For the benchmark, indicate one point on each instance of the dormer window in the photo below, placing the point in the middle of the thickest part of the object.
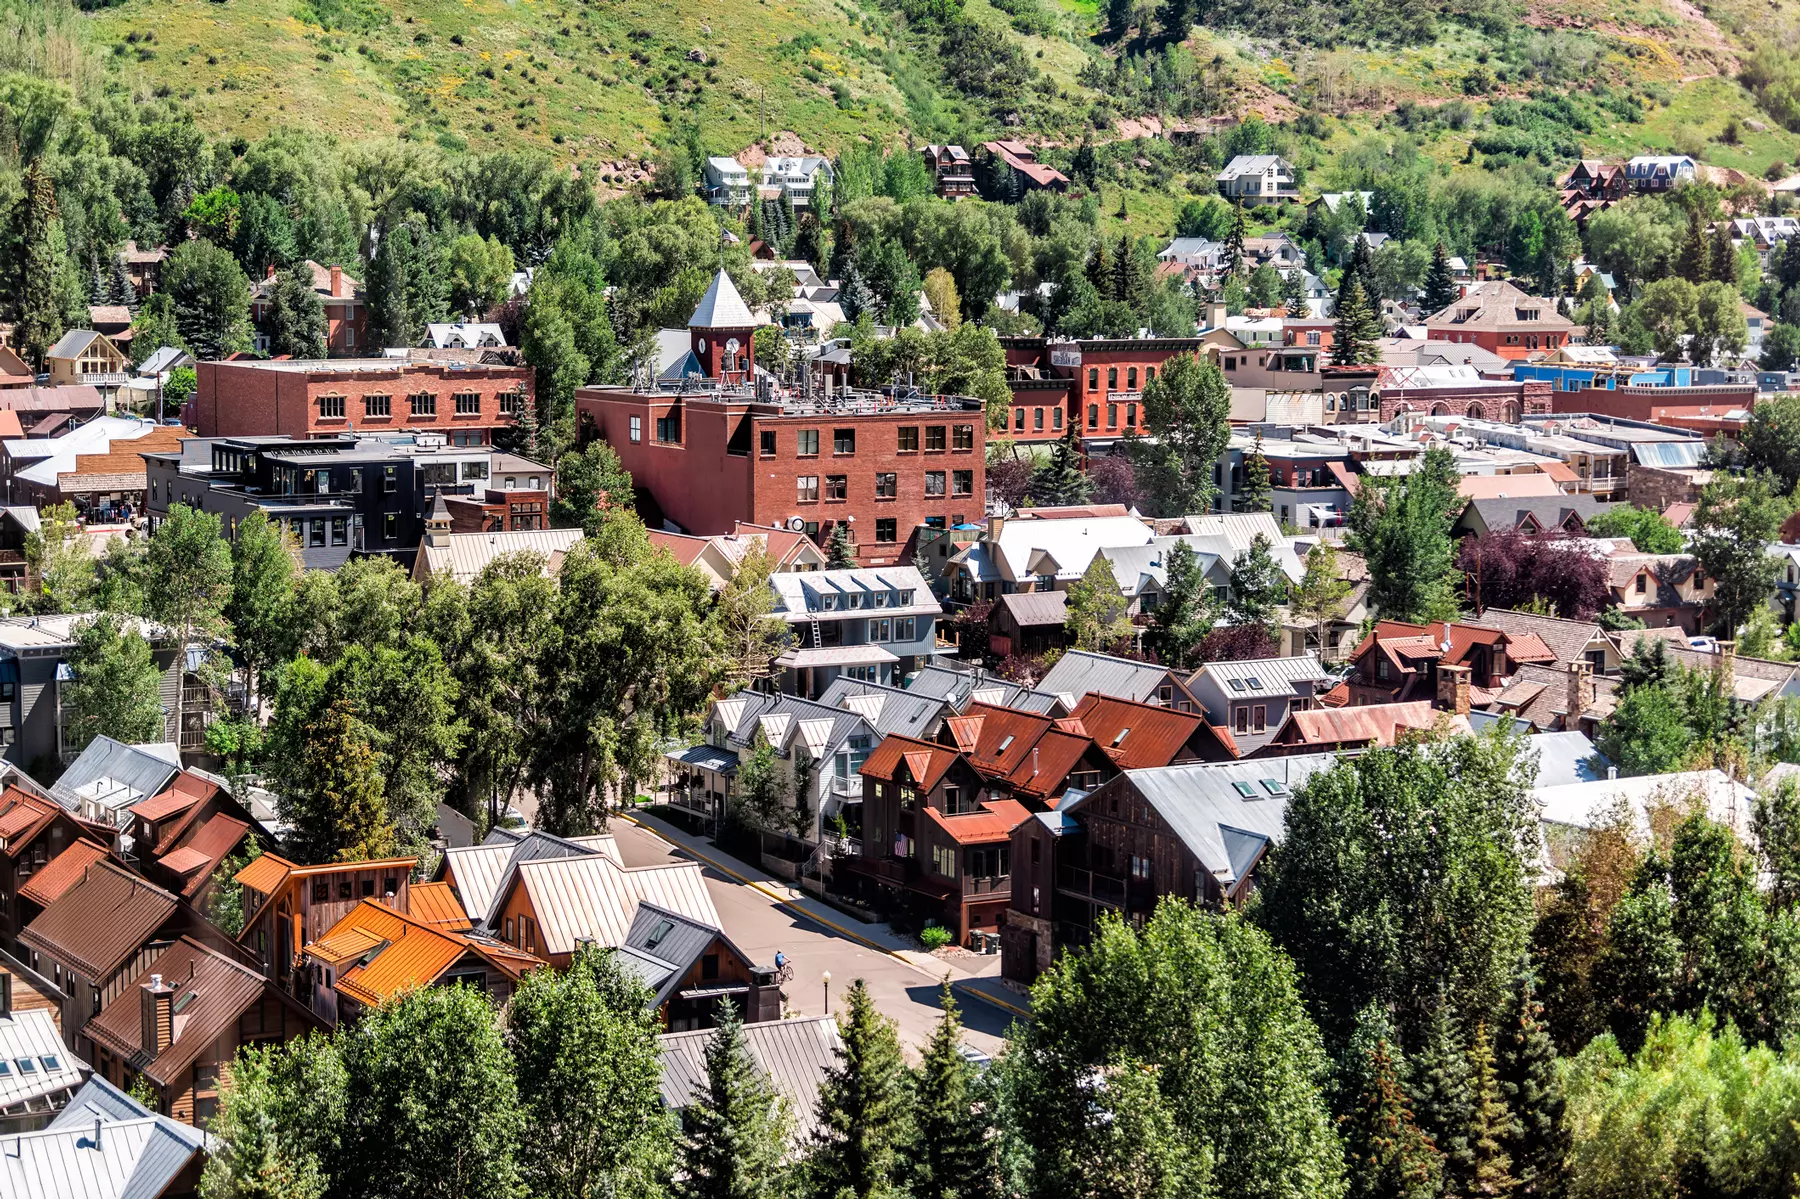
(881, 599)
(829, 602)
(856, 600)
(906, 599)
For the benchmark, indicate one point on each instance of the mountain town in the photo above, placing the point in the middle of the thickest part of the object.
(896, 601)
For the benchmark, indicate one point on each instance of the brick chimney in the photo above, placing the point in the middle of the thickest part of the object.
(337, 280)
(1453, 689)
(1581, 692)
(157, 1008)
(1725, 669)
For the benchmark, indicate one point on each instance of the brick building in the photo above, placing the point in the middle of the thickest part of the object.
(1498, 317)
(346, 315)
(713, 451)
(328, 397)
(1460, 391)
(1099, 383)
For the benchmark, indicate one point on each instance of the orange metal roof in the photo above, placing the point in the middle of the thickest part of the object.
(1528, 647)
(159, 807)
(184, 861)
(64, 870)
(925, 761)
(436, 904)
(265, 874)
(414, 956)
(1372, 724)
(995, 822)
(1134, 735)
(22, 816)
(1043, 769)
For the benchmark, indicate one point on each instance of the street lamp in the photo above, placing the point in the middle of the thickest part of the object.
(826, 979)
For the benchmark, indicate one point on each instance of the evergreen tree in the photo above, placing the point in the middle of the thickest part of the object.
(1060, 480)
(1724, 255)
(784, 212)
(1293, 293)
(862, 1113)
(1128, 282)
(1719, 920)
(40, 321)
(840, 550)
(1361, 267)
(1536, 1140)
(1183, 617)
(296, 322)
(338, 812)
(97, 285)
(948, 1151)
(1100, 268)
(1693, 261)
(1488, 1129)
(734, 1133)
(122, 292)
(407, 287)
(1440, 283)
(1354, 335)
(1258, 586)
(1443, 1097)
(1253, 494)
(1387, 1154)
(210, 297)
(1641, 965)
(1234, 241)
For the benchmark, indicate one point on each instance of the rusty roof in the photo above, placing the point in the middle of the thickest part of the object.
(436, 904)
(1005, 737)
(212, 993)
(1043, 770)
(22, 817)
(1371, 724)
(176, 798)
(205, 850)
(995, 822)
(1136, 735)
(926, 761)
(47, 885)
(398, 952)
(101, 920)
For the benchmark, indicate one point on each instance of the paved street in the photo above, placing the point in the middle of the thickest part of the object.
(761, 925)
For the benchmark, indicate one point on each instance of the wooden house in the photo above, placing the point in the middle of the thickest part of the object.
(290, 905)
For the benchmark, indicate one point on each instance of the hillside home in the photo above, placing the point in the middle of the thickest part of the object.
(874, 624)
(725, 182)
(1258, 179)
(952, 169)
(1252, 699)
(1500, 318)
(84, 357)
(346, 312)
(1659, 172)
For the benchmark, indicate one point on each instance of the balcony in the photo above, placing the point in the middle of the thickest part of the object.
(845, 788)
(997, 885)
(1091, 884)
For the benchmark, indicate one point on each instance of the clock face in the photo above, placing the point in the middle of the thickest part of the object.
(703, 345)
(731, 346)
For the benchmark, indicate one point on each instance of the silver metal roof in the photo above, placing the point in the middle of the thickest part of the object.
(792, 1054)
(1264, 677)
(1079, 672)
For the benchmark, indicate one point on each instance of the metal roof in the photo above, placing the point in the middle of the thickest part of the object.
(960, 688)
(211, 992)
(138, 1155)
(722, 307)
(793, 1055)
(479, 872)
(402, 952)
(436, 904)
(1563, 758)
(145, 769)
(1030, 608)
(1668, 453)
(1080, 672)
(47, 885)
(33, 1062)
(595, 898)
(888, 709)
(1263, 678)
(465, 555)
(662, 946)
(101, 920)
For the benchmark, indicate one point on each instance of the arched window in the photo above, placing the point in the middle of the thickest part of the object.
(1476, 412)
(1509, 412)
(1440, 409)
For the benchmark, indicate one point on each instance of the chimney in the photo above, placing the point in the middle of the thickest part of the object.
(995, 525)
(5, 996)
(1453, 689)
(271, 273)
(337, 280)
(1215, 314)
(1581, 693)
(157, 1015)
(98, 1124)
(1725, 669)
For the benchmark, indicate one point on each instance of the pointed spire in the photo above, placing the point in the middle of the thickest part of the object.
(722, 307)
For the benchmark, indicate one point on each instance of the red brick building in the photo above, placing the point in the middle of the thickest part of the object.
(1100, 383)
(328, 397)
(1498, 317)
(1420, 389)
(708, 453)
(346, 315)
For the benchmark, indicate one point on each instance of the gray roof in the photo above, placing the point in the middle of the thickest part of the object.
(1224, 828)
(1079, 672)
(662, 946)
(138, 1155)
(1031, 608)
(71, 344)
(1567, 639)
(757, 704)
(482, 871)
(890, 709)
(132, 766)
(1550, 510)
(1567, 757)
(959, 688)
(1668, 453)
(792, 1054)
(1264, 678)
(722, 307)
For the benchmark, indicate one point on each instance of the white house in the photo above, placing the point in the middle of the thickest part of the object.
(1258, 177)
(797, 175)
(1659, 172)
(727, 183)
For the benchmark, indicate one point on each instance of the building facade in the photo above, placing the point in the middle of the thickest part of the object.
(465, 402)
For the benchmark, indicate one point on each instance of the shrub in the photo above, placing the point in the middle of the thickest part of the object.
(936, 936)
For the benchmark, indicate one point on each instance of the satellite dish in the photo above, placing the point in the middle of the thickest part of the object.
(795, 524)
(731, 346)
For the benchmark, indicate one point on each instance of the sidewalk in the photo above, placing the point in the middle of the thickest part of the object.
(977, 975)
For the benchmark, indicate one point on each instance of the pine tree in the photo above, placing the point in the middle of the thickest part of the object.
(40, 318)
(98, 286)
(1128, 275)
(1389, 1157)
(1440, 283)
(1100, 268)
(1253, 495)
(1488, 1128)
(1600, 323)
(784, 212)
(734, 1134)
(856, 297)
(1443, 1102)
(123, 292)
(1724, 255)
(1293, 293)
(862, 1112)
(1694, 261)
(840, 550)
(1234, 242)
(1061, 480)
(1536, 1140)
(1354, 335)
(296, 321)
(948, 1152)
(1362, 267)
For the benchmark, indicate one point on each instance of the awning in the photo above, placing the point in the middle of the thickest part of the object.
(705, 757)
(715, 992)
(843, 655)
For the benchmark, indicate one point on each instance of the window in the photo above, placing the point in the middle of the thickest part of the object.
(468, 403)
(340, 531)
(962, 482)
(331, 407)
(880, 630)
(378, 405)
(1056, 418)
(321, 891)
(637, 429)
(1093, 416)
(807, 444)
(390, 525)
(368, 887)
(1131, 414)
(843, 441)
(837, 487)
(904, 629)
(1112, 416)
(808, 486)
(1165, 694)
(953, 802)
(1243, 719)
(1019, 420)
(345, 890)
(887, 485)
(1259, 721)
(992, 862)
(709, 967)
(1131, 379)
(909, 439)
(943, 860)
(1112, 378)
(1093, 378)
(1149, 374)
(963, 437)
(934, 437)
(1381, 669)
(934, 482)
(474, 470)
(1140, 867)
(389, 480)
(424, 403)
(1037, 420)
(668, 429)
(512, 403)
(1640, 583)
(768, 443)
(509, 929)
(316, 533)
(886, 529)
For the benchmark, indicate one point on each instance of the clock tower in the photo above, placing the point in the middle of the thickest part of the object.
(720, 331)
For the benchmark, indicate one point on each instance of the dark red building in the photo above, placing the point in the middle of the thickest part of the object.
(708, 452)
(464, 401)
(1097, 383)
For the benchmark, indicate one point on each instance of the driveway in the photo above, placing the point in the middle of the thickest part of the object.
(760, 924)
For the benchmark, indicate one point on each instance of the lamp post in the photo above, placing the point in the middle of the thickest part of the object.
(826, 979)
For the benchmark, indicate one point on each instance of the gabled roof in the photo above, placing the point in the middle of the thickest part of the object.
(197, 858)
(33, 1062)
(1567, 640)
(722, 307)
(890, 710)
(793, 1055)
(436, 904)
(463, 556)
(63, 871)
(959, 688)
(1371, 724)
(662, 946)
(101, 920)
(113, 767)
(72, 343)
(394, 953)
(995, 821)
(1031, 609)
(923, 762)
(1079, 672)
(138, 1154)
(1263, 678)
(211, 993)
(595, 898)
(22, 817)
(1546, 513)
(1137, 735)
(480, 871)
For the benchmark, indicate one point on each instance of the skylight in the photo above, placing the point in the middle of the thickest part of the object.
(27, 1066)
(181, 1004)
(1004, 742)
(1254, 683)
(51, 1061)
(1273, 787)
(1117, 741)
(663, 928)
(1237, 684)
(1247, 790)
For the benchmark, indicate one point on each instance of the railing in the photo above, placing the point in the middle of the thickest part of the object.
(847, 788)
(832, 843)
(1103, 887)
(987, 886)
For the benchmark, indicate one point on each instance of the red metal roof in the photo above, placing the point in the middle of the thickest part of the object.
(995, 822)
(1136, 736)
(1371, 724)
(205, 850)
(1007, 737)
(925, 761)
(101, 920)
(48, 884)
(22, 816)
(1043, 769)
